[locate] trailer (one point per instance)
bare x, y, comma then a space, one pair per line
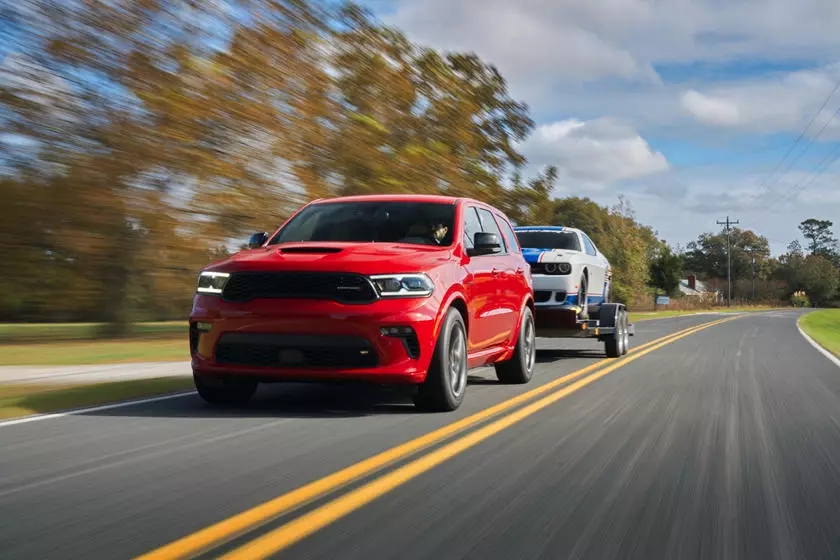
611, 326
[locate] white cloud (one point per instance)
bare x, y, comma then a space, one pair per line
598, 153
711, 110
777, 103
573, 41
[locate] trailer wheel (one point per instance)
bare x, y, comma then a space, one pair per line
612, 315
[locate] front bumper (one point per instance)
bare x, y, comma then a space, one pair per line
274, 340
554, 290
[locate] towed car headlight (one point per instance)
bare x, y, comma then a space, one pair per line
557, 268
212, 282
403, 285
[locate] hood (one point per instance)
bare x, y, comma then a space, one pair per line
361, 258
547, 255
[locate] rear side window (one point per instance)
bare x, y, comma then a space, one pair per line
512, 242
472, 225
489, 225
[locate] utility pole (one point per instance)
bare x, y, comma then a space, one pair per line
728, 223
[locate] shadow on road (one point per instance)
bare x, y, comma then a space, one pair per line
547, 356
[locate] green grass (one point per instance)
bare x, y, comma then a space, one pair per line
22, 400
95, 352
53, 332
644, 316
824, 327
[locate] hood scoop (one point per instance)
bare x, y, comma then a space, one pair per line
311, 250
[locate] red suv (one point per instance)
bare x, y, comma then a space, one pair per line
389, 289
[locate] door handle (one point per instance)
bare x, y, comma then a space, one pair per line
520, 271
495, 271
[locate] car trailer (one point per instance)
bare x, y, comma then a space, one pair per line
612, 326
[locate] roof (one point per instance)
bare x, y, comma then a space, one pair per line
438, 199
544, 228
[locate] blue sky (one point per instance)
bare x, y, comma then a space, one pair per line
685, 107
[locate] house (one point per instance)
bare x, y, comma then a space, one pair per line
691, 286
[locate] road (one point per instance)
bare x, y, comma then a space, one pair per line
721, 443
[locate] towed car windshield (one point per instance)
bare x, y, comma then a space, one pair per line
548, 240
420, 223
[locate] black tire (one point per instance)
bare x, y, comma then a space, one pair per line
625, 321
520, 368
583, 297
612, 315
224, 391
441, 392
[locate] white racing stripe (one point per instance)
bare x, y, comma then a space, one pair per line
51, 416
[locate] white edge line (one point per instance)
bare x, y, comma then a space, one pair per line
72, 412
834, 359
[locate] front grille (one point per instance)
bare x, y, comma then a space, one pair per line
337, 286
542, 296
295, 351
560, 296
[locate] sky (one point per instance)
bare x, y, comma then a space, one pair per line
694, 110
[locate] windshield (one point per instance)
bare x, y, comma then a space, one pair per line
548, 240
419, 223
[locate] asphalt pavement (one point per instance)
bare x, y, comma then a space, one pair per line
723, 443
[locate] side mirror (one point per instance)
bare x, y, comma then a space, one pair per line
485, 244
257, 240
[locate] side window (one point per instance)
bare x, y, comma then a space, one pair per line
489, 225
590, 248
471, 225
510, 236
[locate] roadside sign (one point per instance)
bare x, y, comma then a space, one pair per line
663, 300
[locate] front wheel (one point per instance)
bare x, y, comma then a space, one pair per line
220, 391
520, 368
446, 381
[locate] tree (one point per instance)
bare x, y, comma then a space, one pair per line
706, 256
821, 240
666, 270
819, 279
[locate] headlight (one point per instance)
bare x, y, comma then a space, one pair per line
403, 285
550, 268
564, 268
212, 282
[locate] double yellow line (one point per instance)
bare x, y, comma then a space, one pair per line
299, 528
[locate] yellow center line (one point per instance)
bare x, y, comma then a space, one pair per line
250, 519
296, 530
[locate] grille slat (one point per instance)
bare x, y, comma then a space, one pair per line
337, 286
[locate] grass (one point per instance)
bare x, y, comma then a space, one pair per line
95, 352
22, 400
53, 332
824, 327
643, 316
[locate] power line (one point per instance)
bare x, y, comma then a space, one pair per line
808, 147
809, 180
728, 223
804, 131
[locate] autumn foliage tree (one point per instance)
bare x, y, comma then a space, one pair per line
142, 139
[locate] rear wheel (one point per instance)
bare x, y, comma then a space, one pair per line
520, 368
446, 381
224, 391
